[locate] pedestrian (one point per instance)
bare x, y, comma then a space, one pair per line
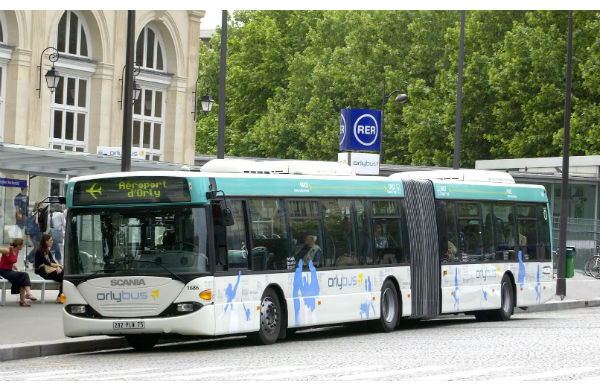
32, 231
57, 226
20, 283
46, 266
21, 204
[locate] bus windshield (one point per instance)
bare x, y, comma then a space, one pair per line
153, 240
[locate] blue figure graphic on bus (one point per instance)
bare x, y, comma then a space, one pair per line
455, 293
308, 289
247, 312
538, 287
521, 276
365, 307
484, 295
231, 291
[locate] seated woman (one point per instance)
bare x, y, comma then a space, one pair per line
19, 281
45, 266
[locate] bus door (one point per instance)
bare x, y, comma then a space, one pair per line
230, 230
424, 247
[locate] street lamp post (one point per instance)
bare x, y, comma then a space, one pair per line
137, 90
561, 286
222, 89
401, 98
129, 86
461, 50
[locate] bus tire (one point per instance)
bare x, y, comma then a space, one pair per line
142, 342
270, 319
507, 304
389, 308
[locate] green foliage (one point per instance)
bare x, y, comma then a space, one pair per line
289, 73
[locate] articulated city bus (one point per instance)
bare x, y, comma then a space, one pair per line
248, 248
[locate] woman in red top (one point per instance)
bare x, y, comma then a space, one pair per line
20, 282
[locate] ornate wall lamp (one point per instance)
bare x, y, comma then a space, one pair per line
137, 90
206, 101
52, 76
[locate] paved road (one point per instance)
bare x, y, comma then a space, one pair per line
558, 345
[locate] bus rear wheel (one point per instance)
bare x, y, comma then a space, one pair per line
389, 308
142, 342
270, 319
507, 304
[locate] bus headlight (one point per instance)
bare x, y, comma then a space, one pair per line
77, 309
185, 307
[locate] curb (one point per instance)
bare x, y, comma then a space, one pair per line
561, 305
98, 343
59, 347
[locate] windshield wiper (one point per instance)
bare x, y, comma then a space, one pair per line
162, 266
92, 274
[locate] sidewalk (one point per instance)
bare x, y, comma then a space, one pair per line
35, 331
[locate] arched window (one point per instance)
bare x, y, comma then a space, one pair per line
2, 24
71, 36
70, 101
149, 51
149, 109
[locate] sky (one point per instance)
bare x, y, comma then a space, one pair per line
211, 20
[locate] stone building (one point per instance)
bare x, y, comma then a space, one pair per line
47, 136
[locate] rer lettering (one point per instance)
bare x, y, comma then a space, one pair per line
368, 130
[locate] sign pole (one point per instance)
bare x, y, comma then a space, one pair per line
561, 286
383, 100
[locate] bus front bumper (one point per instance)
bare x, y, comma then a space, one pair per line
198, 323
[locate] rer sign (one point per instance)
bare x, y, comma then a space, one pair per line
360, 130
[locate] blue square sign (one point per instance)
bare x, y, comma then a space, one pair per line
360, 130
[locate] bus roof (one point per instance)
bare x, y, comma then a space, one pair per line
285, 185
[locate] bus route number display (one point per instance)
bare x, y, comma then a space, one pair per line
131, 190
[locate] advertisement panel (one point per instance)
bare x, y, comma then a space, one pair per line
362, 163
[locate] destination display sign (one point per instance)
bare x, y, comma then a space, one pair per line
131, 190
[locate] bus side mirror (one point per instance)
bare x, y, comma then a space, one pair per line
222, 214
227, 215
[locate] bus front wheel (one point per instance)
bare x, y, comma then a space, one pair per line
270, 319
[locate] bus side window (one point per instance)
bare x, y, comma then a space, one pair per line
269, 234
470, 231
504, 228
527, 222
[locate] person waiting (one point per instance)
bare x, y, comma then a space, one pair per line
20, 282
310, 251
46, 266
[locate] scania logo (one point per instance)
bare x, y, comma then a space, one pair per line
366, 129
127, 282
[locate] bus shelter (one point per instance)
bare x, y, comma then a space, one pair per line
29, 174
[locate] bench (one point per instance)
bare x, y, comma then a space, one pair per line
36, 284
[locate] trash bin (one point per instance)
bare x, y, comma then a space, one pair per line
570, 256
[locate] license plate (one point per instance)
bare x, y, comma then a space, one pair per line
128, 325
